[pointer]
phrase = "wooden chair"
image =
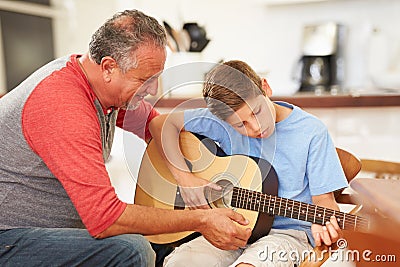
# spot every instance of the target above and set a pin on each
(381, 169)
(351, 167)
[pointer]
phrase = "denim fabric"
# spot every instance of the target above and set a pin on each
(75, 247)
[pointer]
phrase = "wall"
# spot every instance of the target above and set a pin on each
(266, 36)
(269, 38)
(77, 21)
(368, 132)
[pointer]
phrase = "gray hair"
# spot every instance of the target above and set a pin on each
(120, 36)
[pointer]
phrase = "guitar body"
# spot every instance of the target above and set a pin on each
(156, 186)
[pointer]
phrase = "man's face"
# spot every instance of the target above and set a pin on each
(131, 87)
(256, 118)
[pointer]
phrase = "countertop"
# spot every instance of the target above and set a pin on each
(304, 100)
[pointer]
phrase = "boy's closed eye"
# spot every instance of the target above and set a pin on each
(238, 125)
(258, 111)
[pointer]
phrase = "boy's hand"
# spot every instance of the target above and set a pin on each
(327, 234)
(192, 191)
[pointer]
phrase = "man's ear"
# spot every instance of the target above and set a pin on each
(108, 67)
(265, 87)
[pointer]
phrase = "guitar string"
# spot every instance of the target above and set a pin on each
(350, 217)
(357, 221)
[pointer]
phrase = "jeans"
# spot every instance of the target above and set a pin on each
(75, 247)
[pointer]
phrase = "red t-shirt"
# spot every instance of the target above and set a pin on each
(60, 124)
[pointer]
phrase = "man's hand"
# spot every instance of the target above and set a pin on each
(192, 191)
(219, 227)
(327, 234)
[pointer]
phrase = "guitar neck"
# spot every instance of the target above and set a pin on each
(257, 201)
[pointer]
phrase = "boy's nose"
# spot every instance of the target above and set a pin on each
(255, 126)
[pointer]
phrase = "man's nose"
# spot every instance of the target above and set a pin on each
(152, 88)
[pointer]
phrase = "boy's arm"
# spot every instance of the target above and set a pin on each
(329, 233)
(165, 130)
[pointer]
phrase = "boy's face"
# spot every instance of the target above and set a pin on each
(256, 118)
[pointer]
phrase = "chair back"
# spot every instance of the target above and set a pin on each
(381, 169)
(351, 166)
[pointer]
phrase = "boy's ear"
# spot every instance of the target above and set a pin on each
(265, 87)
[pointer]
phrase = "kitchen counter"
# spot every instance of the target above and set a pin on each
(304, 100)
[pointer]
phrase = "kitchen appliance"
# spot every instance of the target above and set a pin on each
(198, 36)
(322, 62)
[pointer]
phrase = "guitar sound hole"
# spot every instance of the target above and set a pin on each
(220, 198)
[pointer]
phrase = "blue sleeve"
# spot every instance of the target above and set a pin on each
(324, 171)
(201, 121)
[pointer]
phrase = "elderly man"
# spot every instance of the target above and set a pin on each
(57, 204)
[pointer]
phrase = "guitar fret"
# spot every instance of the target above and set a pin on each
(248, 202)
(271, 211)
(258, 201)
(237, 199)
(319, 218)
(242, 198)
(291, 215)
(274, 205)
(315, 213)
(254, 201)
(264, 205)
(298, 216)
(306, 212)
(250, 197)
(286, 207)
(355, 223)
(279, 206)
(344, 219)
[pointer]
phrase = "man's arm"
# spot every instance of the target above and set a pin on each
(217, 226)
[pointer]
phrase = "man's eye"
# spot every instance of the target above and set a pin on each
(258, 111)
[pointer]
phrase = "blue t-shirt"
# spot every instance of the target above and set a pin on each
(300, 150)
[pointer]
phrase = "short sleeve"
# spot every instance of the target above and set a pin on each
(201, 121)
(137, 121)
(324, 171)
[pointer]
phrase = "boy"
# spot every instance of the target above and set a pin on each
(242, 119)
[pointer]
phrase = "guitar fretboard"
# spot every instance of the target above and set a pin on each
(274, 205)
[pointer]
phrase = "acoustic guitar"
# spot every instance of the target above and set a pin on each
(249, 186)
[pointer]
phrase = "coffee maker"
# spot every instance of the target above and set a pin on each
(322, 62)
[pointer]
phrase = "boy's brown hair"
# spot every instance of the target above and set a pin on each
(228, 86)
